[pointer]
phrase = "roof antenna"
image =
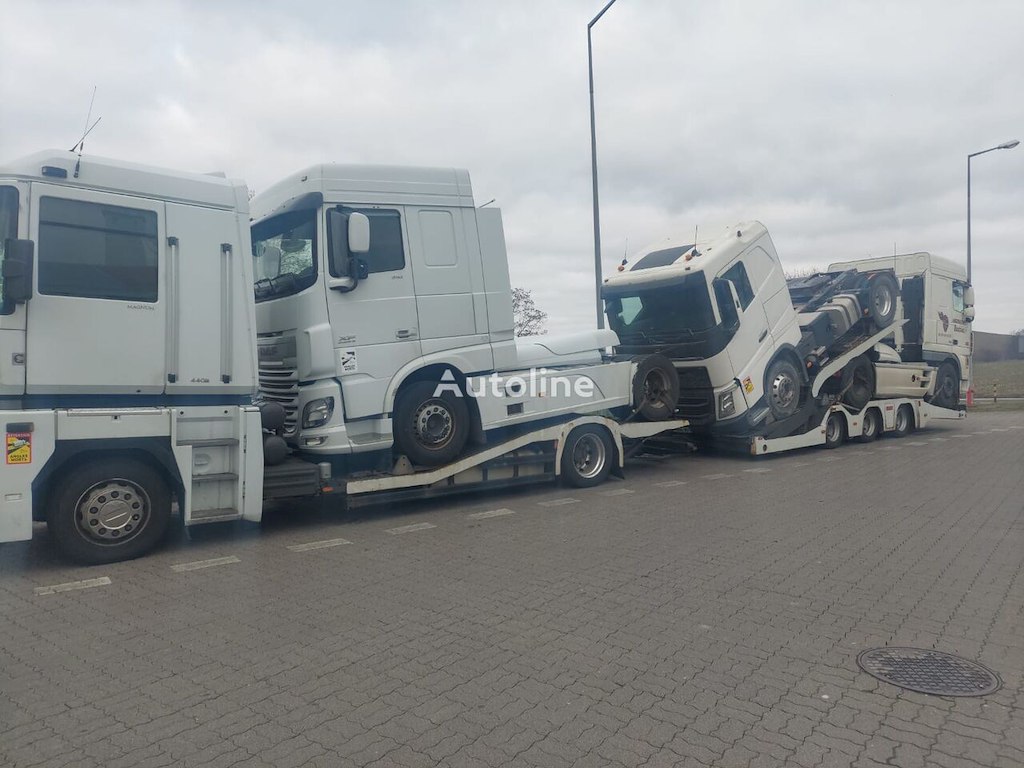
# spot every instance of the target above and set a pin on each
(80, 144)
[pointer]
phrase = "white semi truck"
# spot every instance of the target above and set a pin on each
(128, 351)
(764, 359)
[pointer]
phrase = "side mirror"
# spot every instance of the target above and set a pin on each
(728, 301)
(358, 232)
(349, 234)
(969, 296)
(969, 314)
(17, 271)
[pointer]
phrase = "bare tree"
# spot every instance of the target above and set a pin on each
(529, 321)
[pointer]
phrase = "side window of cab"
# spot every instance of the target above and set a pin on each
(737, 275)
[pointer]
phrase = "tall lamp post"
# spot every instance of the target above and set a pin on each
(1004, 145)
(593, 166)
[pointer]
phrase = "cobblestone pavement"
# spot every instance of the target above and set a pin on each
(707, 610)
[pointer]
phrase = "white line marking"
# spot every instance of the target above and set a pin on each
(961, 435)
(491, 513)
(828, 458)
(938, 440)
(916, 442)
(410, 528)
(757, 471)
(195, 566)
(802, 464)
(889, 448)
(1000, 429)
(311, 545)
(558, 502)
(618, 492)
(670, 483)
(70, 586)
(719, 476)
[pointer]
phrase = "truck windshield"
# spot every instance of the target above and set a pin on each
(662, 314)
(8, 227)
(284, 252)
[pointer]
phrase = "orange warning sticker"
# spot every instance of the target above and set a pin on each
(748, 385)
(19, 447)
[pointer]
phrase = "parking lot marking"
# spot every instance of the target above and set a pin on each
(558, 502)
(916, 442)
(801, 464)
(410, 528)
(889, 448)
(311, 545)
(718, 476)
(670, 483)
(618, 492)
(757, 471)
(999, 429)
(961, 435)
(70, 586)
(938, 440)
(491, 513)
(828, 458)
(197, 564)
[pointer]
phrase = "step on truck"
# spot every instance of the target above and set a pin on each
(158, 348)
(760, 357)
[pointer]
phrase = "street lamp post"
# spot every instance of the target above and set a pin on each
(1004, 145)
(593, 166)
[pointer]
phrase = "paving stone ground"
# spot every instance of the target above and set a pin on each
(711, 620)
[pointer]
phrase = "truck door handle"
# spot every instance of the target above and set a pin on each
(761, 338)
(405, 333)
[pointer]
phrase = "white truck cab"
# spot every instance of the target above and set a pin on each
(355, 339)
(719, 309)
(937, 304)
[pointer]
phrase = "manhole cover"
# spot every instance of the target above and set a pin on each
(925, 671)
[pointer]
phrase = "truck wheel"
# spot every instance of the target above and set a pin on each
(109, 510)
(655, 387)
(904, 421)
(430, 429)
(835, 430)
(858, 385)
(947, 386)
(871, 428)
(587, 456)
(783, 386)
(882, 293)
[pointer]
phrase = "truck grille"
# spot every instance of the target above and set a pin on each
(696, 396)
(280, 384)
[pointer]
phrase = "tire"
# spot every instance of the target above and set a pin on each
(430, 430)
(904, 421)
(835, 430)
(871, 427)
(783, 387)
(655, 388)
(947, 386)
(882, 293)
(858, 384)
(109, 510)
(587, 456)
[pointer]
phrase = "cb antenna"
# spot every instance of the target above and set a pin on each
(80, 144)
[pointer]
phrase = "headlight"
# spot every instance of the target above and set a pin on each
(317, 412)
(726, 404)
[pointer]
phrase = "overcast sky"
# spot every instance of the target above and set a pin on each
(844, 127)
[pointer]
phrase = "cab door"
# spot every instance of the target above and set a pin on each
(12, 314)
(96, 324)
(373, 323)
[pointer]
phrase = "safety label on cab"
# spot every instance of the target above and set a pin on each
(748, 385)
(19, 447)
(349, 362)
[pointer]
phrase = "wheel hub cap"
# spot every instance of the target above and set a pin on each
(114, 510)
(433, 424)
